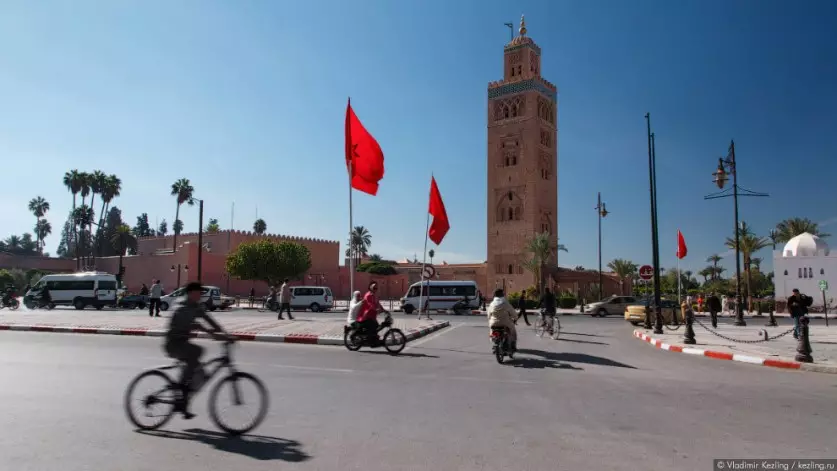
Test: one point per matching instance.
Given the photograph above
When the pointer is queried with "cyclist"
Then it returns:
(8, 295)
(547, 304)
(177, 344)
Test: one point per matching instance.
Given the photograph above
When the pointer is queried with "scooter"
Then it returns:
(11, 303)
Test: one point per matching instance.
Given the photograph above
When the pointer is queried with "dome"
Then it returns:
(805, 245)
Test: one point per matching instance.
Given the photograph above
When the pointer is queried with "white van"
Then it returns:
(315, 298)
(442, 295)
(79, 290)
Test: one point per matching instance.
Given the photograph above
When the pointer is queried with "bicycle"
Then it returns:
(168, 394)
(549, 324)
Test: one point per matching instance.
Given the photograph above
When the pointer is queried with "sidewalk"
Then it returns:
(317, 331)
(778, 353)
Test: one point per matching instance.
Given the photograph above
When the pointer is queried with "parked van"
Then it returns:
(441, 295)
(315, 298)
(79, 290)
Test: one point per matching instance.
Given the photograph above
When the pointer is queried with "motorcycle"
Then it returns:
(11, 303)
(501, 345)
(462, 308)
(355, 337)
(271, 305)
(38, 303)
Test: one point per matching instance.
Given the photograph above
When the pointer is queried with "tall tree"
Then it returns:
(359, 244)
(268, 261)
(749, 243)
(123, 240)
(111, 187)
(623, 268)
(706, 273)
(142, 228)
(542, 248)
(42, 229)
(212, 227)
(714, 259)
(183, 192)
(163, 229)
(97, 186)
(792, 227)
(259, 227)
(39, 207)
(430, 253)
(73, 182)
(177, 227)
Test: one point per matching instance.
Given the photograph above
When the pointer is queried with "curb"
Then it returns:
(308, 339)
(753, 360)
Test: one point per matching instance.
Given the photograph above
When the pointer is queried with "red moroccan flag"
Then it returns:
(440, 225)
(364, 157)
(681, 245)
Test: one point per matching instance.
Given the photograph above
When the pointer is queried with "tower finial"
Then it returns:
(522, 29)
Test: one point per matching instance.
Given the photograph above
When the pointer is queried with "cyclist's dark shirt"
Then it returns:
(185, 320)
(548, 302)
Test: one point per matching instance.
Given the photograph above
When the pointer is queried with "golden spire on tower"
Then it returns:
(522, 29)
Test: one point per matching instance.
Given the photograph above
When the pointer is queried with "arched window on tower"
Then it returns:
(509, 208)
(511, 269)
(822, 271)
(810, 272)
(800, 273)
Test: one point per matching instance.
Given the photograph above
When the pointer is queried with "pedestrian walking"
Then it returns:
(252, 297)
(154, 302)
(714, 305)
(798, 306)
(521, 308)
(285, 300)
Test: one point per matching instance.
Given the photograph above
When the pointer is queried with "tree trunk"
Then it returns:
(75, 233)
(101, 224)
(174, 226)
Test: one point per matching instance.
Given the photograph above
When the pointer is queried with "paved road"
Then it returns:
(597, 399)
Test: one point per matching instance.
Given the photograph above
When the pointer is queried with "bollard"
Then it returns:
(689, 335)
(772, 321)
(803, 346)
(647, 317)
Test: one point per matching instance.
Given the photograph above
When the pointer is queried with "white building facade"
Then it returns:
(801, 264)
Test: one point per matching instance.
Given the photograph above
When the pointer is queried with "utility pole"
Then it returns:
(602, 212)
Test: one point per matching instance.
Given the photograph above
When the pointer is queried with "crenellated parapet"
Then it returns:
(248, 234)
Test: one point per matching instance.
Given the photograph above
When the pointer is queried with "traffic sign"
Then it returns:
(646, 272)
(823, 285)
(429, 272)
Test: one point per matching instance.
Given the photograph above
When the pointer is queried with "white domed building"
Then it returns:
(801, 264)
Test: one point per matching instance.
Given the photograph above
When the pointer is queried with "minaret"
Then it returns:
(522, 163)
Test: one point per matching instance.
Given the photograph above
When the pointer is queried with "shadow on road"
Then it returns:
(562, 339)
(575, 358)
(540, 364)
(258, 447)
(402, 354)
(584, 335)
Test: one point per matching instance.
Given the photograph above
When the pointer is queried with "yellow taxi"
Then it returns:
(635, 313)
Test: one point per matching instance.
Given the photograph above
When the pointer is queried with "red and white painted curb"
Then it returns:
(753, 360)
(310, 339)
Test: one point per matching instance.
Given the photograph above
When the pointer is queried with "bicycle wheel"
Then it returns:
(241, 389)
(394, 341)
(556, 328)
(163, 395)
(539, 326)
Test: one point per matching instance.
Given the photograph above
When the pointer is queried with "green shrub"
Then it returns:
(514, 299)
(376, 268)
(567, 301)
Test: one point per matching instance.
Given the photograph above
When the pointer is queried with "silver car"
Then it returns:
(609, 306)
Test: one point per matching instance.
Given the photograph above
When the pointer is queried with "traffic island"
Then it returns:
(747, 345)
(312, 331)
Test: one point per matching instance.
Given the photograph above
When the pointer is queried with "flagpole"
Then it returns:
(679, 278)
(351, 239)
(424, 264)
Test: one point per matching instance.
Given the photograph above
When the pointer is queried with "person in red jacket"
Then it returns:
(368, 317)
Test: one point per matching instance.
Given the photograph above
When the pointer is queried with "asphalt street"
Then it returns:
(594, 399)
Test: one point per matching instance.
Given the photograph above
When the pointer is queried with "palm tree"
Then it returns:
(714, 259)
(259, 227)
(623, 268)
(39, 207)
(163, 229)
(122, 240)
(183, 191)
(749, 243)
(42, 229)
(431, 253)
(376, 258)
(755, 262)
(111, 188)
(13, 244)
(706, 273)
(719, 270)
(72, 180)
(212, 227)
(360, 242)
(541, 248)
(27, 245)
(792, 227)
(97, 186)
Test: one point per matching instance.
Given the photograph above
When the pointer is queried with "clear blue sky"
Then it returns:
(247, 100)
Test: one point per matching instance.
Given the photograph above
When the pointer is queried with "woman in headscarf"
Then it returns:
(355, 305)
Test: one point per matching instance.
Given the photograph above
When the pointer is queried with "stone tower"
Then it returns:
(522, 162)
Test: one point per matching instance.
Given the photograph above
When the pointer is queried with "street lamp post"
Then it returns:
(200, 240)
(602, 212)
(727, 166)
(655, 241)
(180, 268)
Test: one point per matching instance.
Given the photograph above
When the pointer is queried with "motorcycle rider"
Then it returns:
(46, 298)
(271, 298)
(368, 316)
(501, 313)
(355, 306)
(8, 295)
